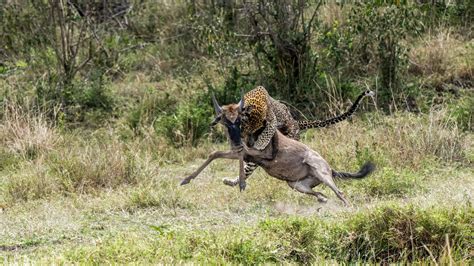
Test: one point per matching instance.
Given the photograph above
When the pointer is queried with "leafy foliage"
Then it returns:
(288, 46)
(381, 31)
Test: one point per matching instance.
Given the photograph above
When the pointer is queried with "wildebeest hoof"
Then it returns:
(242, 186)
(322, 199)
(229, 182)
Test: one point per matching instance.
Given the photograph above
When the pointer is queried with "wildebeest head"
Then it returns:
(230, 116)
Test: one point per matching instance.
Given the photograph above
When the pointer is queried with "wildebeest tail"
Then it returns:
(364, 171)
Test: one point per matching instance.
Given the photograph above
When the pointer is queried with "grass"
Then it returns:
(387, 232)
(443, 58)
(106, 191)
(107, 200)
(26, 134)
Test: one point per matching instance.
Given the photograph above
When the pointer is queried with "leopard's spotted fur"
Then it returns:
(269, 112)
(261, 115)
(273, 114)
(306, 124)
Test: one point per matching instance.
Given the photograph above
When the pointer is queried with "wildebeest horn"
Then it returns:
(217, 107)
(241, 103)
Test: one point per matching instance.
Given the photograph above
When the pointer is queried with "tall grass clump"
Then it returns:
(156, 195)
(93, 166)
(383, 235)
(443, 59)
(387, 234)
(400, 140)
(432, 135)
(77, 169)
(27, 133)
(389, 182)
(29, 180)
(391, 233)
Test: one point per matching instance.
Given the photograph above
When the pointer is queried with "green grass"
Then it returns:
(118, 201)
(100, 183)
(387, 232)
(90, 197)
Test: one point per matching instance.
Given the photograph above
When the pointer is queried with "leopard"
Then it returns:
(263, 114)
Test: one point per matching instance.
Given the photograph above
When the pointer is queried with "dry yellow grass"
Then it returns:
(443, 57)
(27, 133)
(95, 196)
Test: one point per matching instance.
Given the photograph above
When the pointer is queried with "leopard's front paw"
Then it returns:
(230, 182)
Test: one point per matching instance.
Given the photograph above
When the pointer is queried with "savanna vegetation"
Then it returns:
(105, 106)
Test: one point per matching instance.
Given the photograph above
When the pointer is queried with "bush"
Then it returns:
(462, 112)
(379, 31)
(187, 125)
(21, 28)
(189, 122)
(385, 234)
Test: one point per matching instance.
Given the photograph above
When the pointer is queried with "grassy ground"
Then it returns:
(103, 187)
(122, 203)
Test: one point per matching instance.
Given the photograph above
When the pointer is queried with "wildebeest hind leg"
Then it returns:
(304, 187)
(326, 179)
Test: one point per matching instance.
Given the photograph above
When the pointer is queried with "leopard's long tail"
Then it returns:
(305, 124)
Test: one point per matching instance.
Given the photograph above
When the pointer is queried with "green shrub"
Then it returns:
(22, 27)
(187, 125)
(390, 234)
(378, 31)
(385, 234)
(150, 106)
(89, 102)
(462, 112)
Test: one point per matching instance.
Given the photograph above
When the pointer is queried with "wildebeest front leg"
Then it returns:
(232, 154)
(242, 177)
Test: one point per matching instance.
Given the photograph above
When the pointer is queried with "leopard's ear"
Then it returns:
(216, 120)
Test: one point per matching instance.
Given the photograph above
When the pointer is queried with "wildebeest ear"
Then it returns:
(216, 120)
(217, 107)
